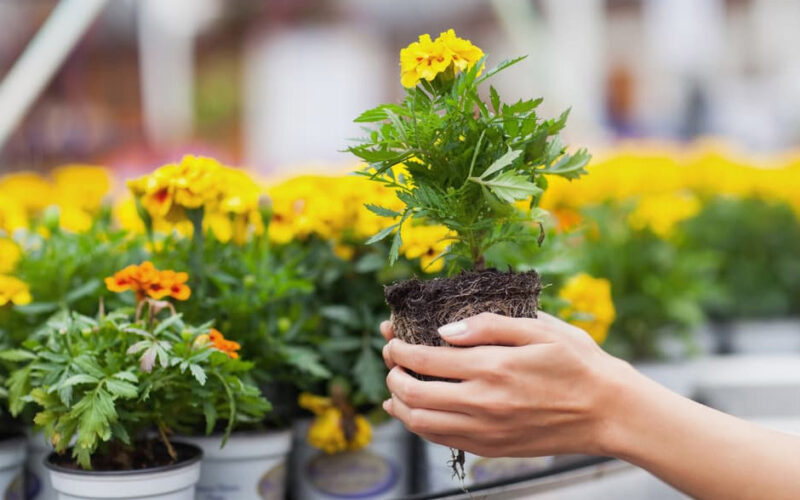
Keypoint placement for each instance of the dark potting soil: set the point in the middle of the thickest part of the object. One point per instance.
(419, 307)
(149, 454)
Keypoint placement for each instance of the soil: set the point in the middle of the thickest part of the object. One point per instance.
(420, 307)
(118, 457)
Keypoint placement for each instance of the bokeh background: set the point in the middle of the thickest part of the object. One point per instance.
(275, 84)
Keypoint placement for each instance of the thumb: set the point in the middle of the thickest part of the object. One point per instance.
(494, 329)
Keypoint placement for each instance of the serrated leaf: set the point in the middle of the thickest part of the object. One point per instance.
(382, 234)
(127, 376)
(306, 360)
(501, 163)
(511, 187)
(382, 211)
(121, 388)
(175, 318)
(495, 99)
(81, 378)
(198, 373)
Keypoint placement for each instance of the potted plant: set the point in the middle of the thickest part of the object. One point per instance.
(468, 165)
(753, 241)
(210, 219)
(109, 392)
(349, 445)
(61, 243)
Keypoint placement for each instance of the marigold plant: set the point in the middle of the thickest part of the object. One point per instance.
(103, 386)
(589, 305)
(465, 162)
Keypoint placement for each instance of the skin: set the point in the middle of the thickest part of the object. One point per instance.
(534, 387)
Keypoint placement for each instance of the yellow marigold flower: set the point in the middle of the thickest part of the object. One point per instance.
(127, 217)
(29, 189)
(462, 52)
(12, 214)
(661, 213)
(14, 291)
(10, 254)
(327, 431)
(74, 219)
(423, 59)
(428, 58)
(425, 243)
(591, 307)
(82, 186)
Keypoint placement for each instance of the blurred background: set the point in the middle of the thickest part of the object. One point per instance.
(275, 84)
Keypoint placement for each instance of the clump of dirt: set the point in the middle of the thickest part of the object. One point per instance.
(419, 308)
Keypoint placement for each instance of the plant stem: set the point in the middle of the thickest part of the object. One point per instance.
(162, 431)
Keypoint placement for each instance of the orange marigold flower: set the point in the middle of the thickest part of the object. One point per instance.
(229, 347)
(147, 281)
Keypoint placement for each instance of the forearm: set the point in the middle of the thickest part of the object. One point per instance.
(705, 453)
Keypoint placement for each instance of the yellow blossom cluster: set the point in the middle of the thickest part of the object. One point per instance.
(427, 58)
(331, 207)
(77, 190)
(590, 306)
(662, 212)
(228, 197)
(641, 172)
(327, 431)
(426, 243)
(13, 291)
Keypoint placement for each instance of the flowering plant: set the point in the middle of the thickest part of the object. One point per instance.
(473, 167)
(107, 382)
(208, 219)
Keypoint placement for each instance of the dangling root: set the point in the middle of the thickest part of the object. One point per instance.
(457, 464)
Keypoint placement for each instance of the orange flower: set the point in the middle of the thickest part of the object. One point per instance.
(229, 347)
(147, 281)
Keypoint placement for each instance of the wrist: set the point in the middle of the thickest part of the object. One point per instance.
(624, 410)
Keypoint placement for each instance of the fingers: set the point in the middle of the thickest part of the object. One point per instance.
(432, 395)
(387, 330)
(487, 328)
(441, 362)
(423, 420)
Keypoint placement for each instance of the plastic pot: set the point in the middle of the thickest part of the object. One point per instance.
(382, 470)
(12, 461)
(170, 482)
(37, 479)
(251, 466)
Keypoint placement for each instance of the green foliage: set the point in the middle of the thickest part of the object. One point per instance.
(465, 164)
(344, 312)
(756, 244)
(110, 381)
(65, 270)
(254, 297)
(657, 286)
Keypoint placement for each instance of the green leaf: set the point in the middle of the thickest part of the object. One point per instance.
(81, 378)
(500, 67)
(37, 308)
(82, 291)
(210, 413)
(198, 373)
(306, 360)
(127, 376)
(121, 389)
(341, 314)
(570, 166)
(382, 211)
(382, 234)
(370, 372)
(495, 98)
(511, 187)
(16, 355)
(501, 163)
(342, 344)
(370, 262)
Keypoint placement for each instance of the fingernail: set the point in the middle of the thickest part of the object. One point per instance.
(386, 405)
(453, 329)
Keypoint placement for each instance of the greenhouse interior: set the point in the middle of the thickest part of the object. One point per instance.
(368, 249)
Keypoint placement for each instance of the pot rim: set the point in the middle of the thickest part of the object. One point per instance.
(194, 453)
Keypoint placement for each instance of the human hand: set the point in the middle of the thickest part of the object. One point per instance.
(527, 387)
